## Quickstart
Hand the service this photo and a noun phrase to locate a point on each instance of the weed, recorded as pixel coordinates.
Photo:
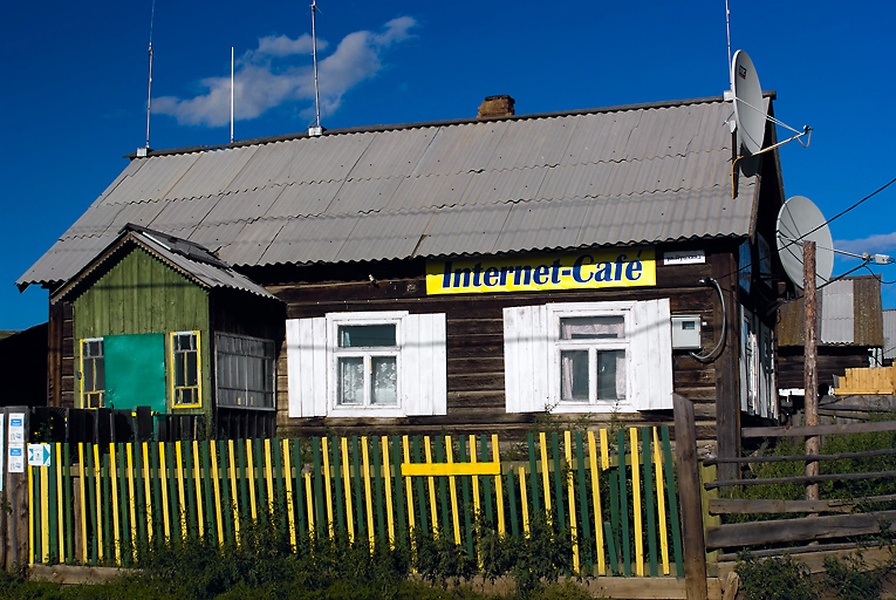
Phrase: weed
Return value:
(775, 578)
(851, 578)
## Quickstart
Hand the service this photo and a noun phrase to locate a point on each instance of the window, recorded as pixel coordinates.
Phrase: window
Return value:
(93, 373)
(366, 365)
(588, 357)
(592, 358)
(757, 371)
(185, 370)
(244, 371)
(385, 364)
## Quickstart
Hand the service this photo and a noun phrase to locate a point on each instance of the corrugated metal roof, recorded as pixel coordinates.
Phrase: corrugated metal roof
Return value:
(190, 259)
(626, 175)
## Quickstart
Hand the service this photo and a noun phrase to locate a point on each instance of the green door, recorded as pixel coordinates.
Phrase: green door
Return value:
(135, 371)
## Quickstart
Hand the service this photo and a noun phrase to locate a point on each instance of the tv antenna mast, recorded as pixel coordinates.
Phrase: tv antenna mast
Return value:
(315, 129)
(152, 18)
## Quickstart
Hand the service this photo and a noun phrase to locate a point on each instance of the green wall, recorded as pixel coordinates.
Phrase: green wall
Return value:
(140, 294)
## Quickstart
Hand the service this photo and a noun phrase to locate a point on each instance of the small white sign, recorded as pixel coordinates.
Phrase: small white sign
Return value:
(16, 428)
(16, 458)
(684, 257)
(39, 455)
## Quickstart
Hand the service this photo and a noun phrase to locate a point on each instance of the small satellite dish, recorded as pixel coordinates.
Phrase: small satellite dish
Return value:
(800, 220)
(749, 113)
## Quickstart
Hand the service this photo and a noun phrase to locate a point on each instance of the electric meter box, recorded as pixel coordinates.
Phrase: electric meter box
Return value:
(686, 332)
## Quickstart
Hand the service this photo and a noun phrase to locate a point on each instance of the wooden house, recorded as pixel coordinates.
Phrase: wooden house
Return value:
(850, 334)
(472, 275)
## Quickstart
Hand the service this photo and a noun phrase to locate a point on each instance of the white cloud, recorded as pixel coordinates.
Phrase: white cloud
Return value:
(873, 244)
(270, 76)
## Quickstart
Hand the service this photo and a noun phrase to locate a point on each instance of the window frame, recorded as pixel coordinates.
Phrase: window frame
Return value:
(335, 352)
(173, 386)
(557, 313)
(269, 362)
(532, 356)
(421, 365)
(84, 394)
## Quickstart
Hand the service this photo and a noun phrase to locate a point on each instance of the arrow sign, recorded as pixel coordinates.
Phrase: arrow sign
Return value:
(39, 455)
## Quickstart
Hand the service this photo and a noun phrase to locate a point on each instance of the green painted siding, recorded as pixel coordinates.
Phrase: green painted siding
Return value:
(139, 294)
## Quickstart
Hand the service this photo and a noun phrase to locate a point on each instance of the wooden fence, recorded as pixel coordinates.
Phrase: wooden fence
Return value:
(857, 505)
(612, 493)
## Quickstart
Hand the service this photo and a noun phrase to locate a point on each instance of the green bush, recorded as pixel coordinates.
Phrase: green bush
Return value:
(851, 578)
(776, 578)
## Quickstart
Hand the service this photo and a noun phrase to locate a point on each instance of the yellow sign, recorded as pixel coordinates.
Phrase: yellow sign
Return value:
(583, 270)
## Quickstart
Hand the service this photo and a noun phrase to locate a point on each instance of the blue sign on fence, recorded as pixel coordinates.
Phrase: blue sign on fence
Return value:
(39, 455)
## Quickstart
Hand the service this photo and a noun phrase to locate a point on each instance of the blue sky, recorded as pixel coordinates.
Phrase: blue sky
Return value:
(73, 85)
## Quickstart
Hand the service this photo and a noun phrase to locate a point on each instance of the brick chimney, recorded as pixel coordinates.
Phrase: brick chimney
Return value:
(496, 106)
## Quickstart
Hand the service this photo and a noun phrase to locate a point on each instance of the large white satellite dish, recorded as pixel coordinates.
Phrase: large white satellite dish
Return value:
(799, 220)
(749, 111)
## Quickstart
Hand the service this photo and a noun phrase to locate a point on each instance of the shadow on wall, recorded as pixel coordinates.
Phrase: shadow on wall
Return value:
(23, 367)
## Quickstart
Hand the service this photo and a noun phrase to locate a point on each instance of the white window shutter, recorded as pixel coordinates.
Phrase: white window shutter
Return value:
(306, 360)
(527, 353)
(650, 349)
(423, 367)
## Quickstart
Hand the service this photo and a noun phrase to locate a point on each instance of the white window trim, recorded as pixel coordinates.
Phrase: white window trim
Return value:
(334, 321)
(422, 365)
(556, 312)
(532, 371)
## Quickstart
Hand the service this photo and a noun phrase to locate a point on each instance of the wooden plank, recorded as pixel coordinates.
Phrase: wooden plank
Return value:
(452, 489)
(800, 529)
(338, 484)
(835, 429)
(368, 494)
(347, 489)
(328, 484)
(558, 477)
(401, 528)
(465, 485)
(289, 496)
(378, 490)
(358, 488)
(388, 482)
(691, 505)
(583, 500)
(570, 497)
(499, 488)
(487, 485)
(623, 503)
(637, 504)
(533, 471)
(737, 506)
(649, 500)
(317, 498)
(596, 504)
(433, 508)
(800, 479)
(661, 502)
(675, 523)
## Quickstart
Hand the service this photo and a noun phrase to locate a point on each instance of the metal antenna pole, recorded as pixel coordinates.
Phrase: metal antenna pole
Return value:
(231, 94)
(728, 31)
(314, 60)
(149, 82)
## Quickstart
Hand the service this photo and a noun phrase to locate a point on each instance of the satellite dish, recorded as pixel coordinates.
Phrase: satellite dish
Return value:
(749, 112)
(800, 220)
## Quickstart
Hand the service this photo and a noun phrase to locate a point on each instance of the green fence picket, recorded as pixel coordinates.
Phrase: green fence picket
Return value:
(649, 498)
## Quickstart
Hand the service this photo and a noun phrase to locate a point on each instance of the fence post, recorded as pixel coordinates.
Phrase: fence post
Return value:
(690, 499)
